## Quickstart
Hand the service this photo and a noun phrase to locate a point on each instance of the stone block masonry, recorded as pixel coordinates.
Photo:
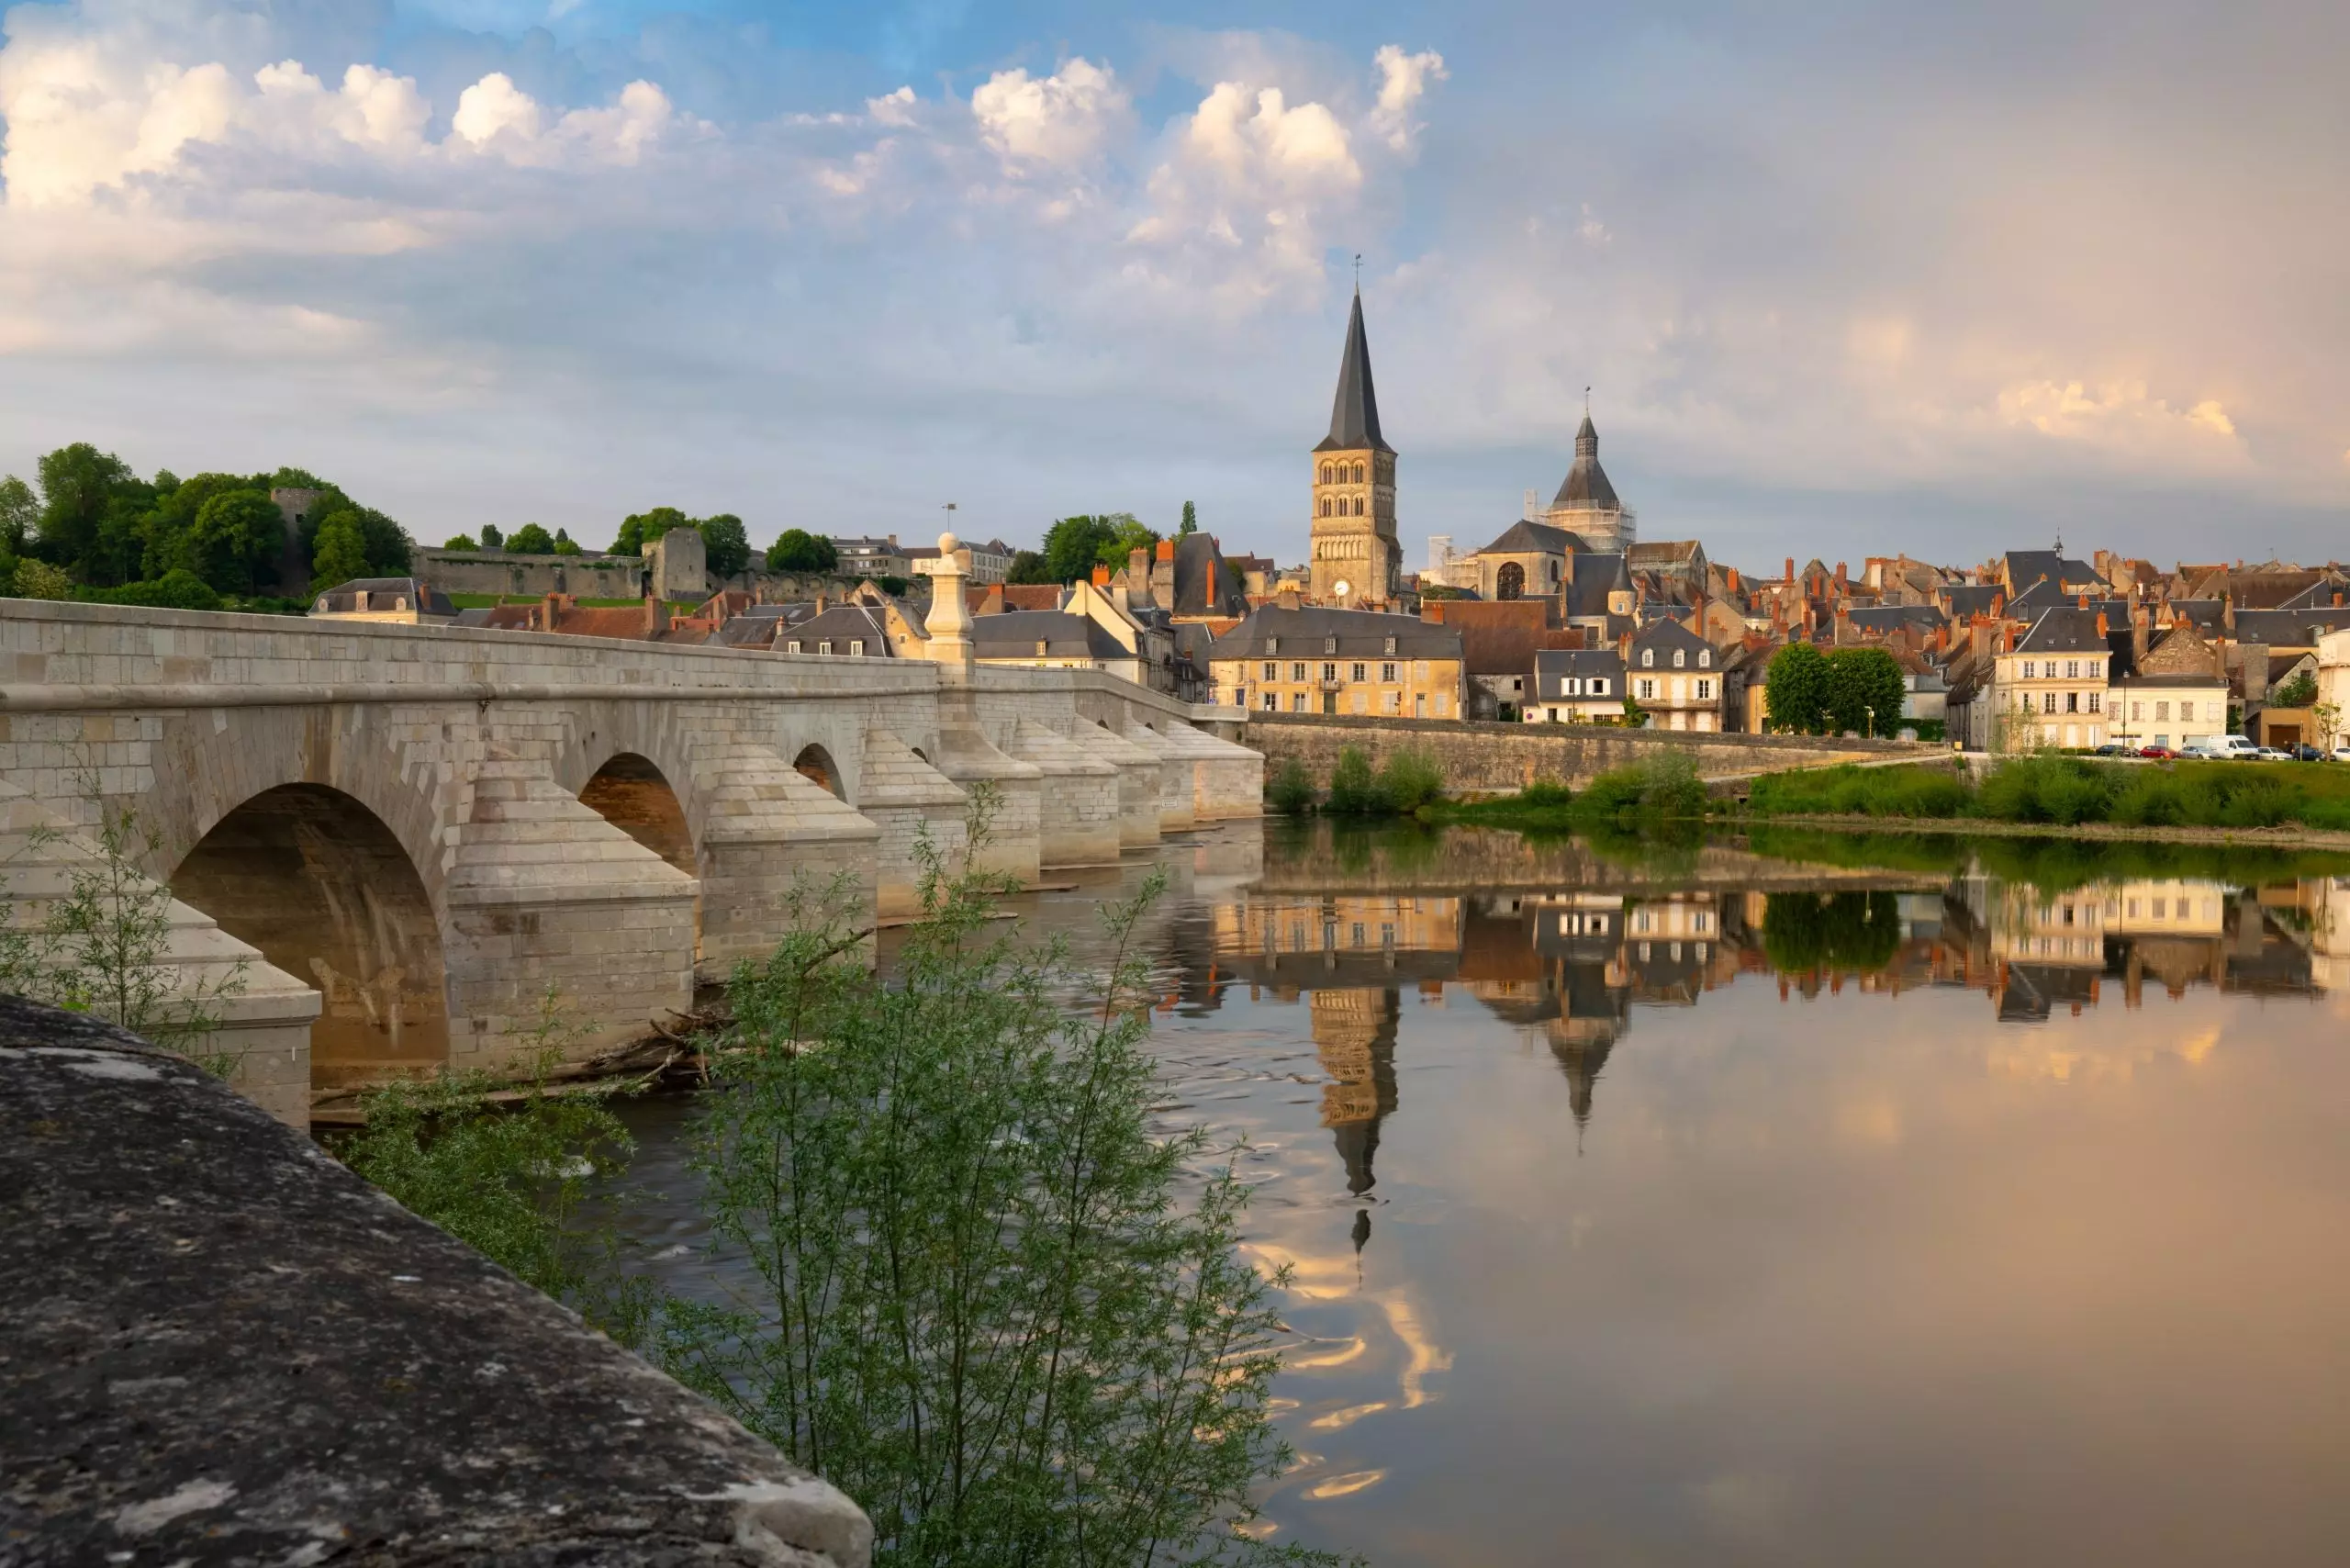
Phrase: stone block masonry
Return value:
(434, 826)
(1499, 759)
(222, 1347)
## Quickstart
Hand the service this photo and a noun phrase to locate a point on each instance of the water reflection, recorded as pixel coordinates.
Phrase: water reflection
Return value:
(1784, 1200)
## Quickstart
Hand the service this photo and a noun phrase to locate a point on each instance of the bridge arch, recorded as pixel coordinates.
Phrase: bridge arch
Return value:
(631, 791)
(321, 885)
(815, 763)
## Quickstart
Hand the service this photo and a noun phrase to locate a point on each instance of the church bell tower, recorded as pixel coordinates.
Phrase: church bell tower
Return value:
(1356, 561)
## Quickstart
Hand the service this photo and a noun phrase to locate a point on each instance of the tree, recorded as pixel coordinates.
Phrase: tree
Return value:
(1864, 691)
(1190, 523)
(491, 539)
(531, 539)
(342, 554)
(564, 544)
(461, 542)
(2298, 692)
(384, 548)
(727, 545)
(1074, 546)
(644, 527)
(1795, 689)
(1126, 536)
(796, 550)
(80, 486)
(234, 534)
(1029, 567)
(38, 579)
(19, 514)
(2327, 716)
(168, 529)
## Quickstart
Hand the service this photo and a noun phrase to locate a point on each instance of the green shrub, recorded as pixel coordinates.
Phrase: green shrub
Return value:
(1354, 792)
(1291, 790)
(1909, 790)
(1410, 779)
(2041, 789)
(178, 589)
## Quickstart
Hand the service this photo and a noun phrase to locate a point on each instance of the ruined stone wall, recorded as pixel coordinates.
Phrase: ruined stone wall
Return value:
(1480, 758)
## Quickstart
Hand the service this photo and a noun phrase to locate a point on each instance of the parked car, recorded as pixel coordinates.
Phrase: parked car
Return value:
(2305, 754)
(2113, 748)
(2273, 754)
(2342, 752)
(2237, 747)
(2157, 753)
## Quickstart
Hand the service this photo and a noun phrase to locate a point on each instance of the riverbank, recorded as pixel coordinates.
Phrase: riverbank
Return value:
(2289, 836)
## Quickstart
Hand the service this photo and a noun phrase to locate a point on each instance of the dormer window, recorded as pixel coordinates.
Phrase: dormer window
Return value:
(825, 646)
(1680, 657)
(793, 646)
(857, 647)
(1706, 658)
(1648, 658)
(1272, 645)
(1040, 647)
(1391, 645)
(1329, 644)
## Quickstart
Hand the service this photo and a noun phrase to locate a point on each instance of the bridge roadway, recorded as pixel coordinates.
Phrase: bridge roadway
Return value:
(397, 839)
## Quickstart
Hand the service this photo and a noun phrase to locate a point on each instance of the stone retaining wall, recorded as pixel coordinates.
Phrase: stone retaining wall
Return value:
(1484, 758)
(222, 1347)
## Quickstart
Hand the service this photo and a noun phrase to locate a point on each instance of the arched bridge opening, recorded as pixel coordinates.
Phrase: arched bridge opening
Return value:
(634, 796)
(816, 764)
(323, 889)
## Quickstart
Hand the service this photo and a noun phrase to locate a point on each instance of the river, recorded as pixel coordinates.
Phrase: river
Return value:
(1810, 1200)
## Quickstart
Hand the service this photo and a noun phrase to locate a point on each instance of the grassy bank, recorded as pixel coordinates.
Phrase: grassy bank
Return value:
(2052, 864)
(2207, 799)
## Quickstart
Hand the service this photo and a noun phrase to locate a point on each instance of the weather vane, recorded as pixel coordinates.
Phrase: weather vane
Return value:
(1358, 272)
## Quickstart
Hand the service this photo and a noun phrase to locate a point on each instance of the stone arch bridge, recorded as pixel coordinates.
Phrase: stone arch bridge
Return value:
(397, 839)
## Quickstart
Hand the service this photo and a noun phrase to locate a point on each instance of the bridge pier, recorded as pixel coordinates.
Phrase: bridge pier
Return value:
(1176, 813)
(1077, 822)
(264, 1014)
(544, 894)
(906, 797)
(1228, 780)
(1012, 846)
(766, 827)
(1137, 782)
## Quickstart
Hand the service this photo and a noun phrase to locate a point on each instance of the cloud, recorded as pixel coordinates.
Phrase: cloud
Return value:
(1067, 120)
(1403, 82)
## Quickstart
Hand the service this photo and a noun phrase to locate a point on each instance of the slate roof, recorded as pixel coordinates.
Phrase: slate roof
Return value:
(842, 625)
(1552, 667)
(1585, 487)
(2065, 630)
(2204, 614)
(1971, 599)
(1884, 617)
(1525, 538)
(377, 594)
(1667, 636)
(1015, 633)
(2289, 628)
(1205, 583)
(1305, 632)
(1595, 578)
(1354, 412)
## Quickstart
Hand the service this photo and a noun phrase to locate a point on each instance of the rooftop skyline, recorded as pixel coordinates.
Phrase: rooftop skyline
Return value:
(1897, 280)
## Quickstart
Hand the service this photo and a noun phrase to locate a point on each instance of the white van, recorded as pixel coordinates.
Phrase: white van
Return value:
(2225, 747)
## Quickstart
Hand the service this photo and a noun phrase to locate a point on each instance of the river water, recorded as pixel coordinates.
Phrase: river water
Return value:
(1799, 1201)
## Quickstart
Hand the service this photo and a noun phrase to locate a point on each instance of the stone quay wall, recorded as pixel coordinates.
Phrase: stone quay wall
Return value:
(223, 1347)
(1495, 759)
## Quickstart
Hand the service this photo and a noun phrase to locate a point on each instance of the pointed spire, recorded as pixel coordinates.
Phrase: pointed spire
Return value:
(1354, 414)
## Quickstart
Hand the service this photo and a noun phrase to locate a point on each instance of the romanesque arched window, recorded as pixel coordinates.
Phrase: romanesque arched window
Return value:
(1358, 506)
(1510, 581)
(1357, 472)
(1326, 506)
(1326, 473)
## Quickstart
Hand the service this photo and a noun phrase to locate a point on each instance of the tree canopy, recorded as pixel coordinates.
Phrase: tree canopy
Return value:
(641, 528)
(531, 539)
(796, 550)
(1075, 545)
(725, 543)
(1795, 691)
(1029, 567)
(112, 535)
(491, 539)
(1864, 691)
(1190, 523)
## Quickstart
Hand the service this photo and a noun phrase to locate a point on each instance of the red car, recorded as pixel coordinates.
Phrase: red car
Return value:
(2158, 753)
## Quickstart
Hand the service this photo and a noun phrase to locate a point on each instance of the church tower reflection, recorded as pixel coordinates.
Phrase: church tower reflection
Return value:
(1354, 1034)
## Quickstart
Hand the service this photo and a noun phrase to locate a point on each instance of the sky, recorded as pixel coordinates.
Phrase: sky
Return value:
(1843, 279)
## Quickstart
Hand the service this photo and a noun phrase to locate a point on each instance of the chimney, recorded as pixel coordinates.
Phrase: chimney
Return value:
(1843, 619)
(1999, 602)
(1167, 549)
(1101, 577)
(2007, 636)
(1791, 571)
(1569, 575)
(1731, 575)
(2140, 626)
(653, 621)
(1286, 598)
(993, 604)
(2085, 601)
(2100, 625)
(1432, 611)
(2337, 598)
(893, 541)
(1139, 568)
(820, 604)
(1840, 579)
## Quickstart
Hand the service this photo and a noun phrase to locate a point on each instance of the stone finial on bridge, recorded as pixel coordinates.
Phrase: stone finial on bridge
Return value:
(949, 622)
